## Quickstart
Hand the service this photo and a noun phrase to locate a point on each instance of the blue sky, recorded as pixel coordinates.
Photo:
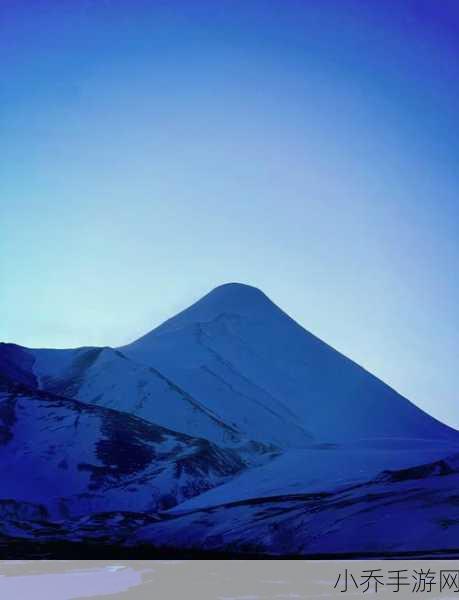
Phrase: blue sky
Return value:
(152, 150)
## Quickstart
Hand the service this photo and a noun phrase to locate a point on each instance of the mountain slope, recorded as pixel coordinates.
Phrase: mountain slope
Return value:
(76, 459)
(403, 511)
(318, 469)
(105, 377)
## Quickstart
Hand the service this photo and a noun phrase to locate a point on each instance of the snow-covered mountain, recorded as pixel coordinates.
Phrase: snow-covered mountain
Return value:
(235, 350)
(226, 407)
(233, 367)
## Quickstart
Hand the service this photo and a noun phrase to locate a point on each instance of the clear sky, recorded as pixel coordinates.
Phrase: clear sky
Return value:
(151, 150)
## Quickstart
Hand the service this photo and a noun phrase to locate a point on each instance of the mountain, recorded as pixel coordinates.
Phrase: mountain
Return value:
(236, 351)
(227, 428)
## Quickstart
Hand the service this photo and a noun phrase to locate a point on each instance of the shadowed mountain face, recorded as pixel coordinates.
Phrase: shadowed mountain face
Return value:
(228, 404)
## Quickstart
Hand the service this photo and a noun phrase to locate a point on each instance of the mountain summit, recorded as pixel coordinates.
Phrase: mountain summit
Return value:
(230, 299)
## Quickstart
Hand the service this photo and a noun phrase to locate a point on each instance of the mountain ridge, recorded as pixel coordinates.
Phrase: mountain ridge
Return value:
(229, 427)
(236, 344)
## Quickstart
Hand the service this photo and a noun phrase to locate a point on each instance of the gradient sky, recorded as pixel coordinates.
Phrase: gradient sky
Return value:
(151, 150)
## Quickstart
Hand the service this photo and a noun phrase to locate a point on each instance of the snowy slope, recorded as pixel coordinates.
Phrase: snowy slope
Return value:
(77, 459)
(319, 469)
(402, 511)
(105, 377)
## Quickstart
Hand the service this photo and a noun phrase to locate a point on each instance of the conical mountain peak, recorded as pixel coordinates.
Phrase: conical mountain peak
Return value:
(235, 344)
(228, 299)
(236, 288)
(235, 297)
